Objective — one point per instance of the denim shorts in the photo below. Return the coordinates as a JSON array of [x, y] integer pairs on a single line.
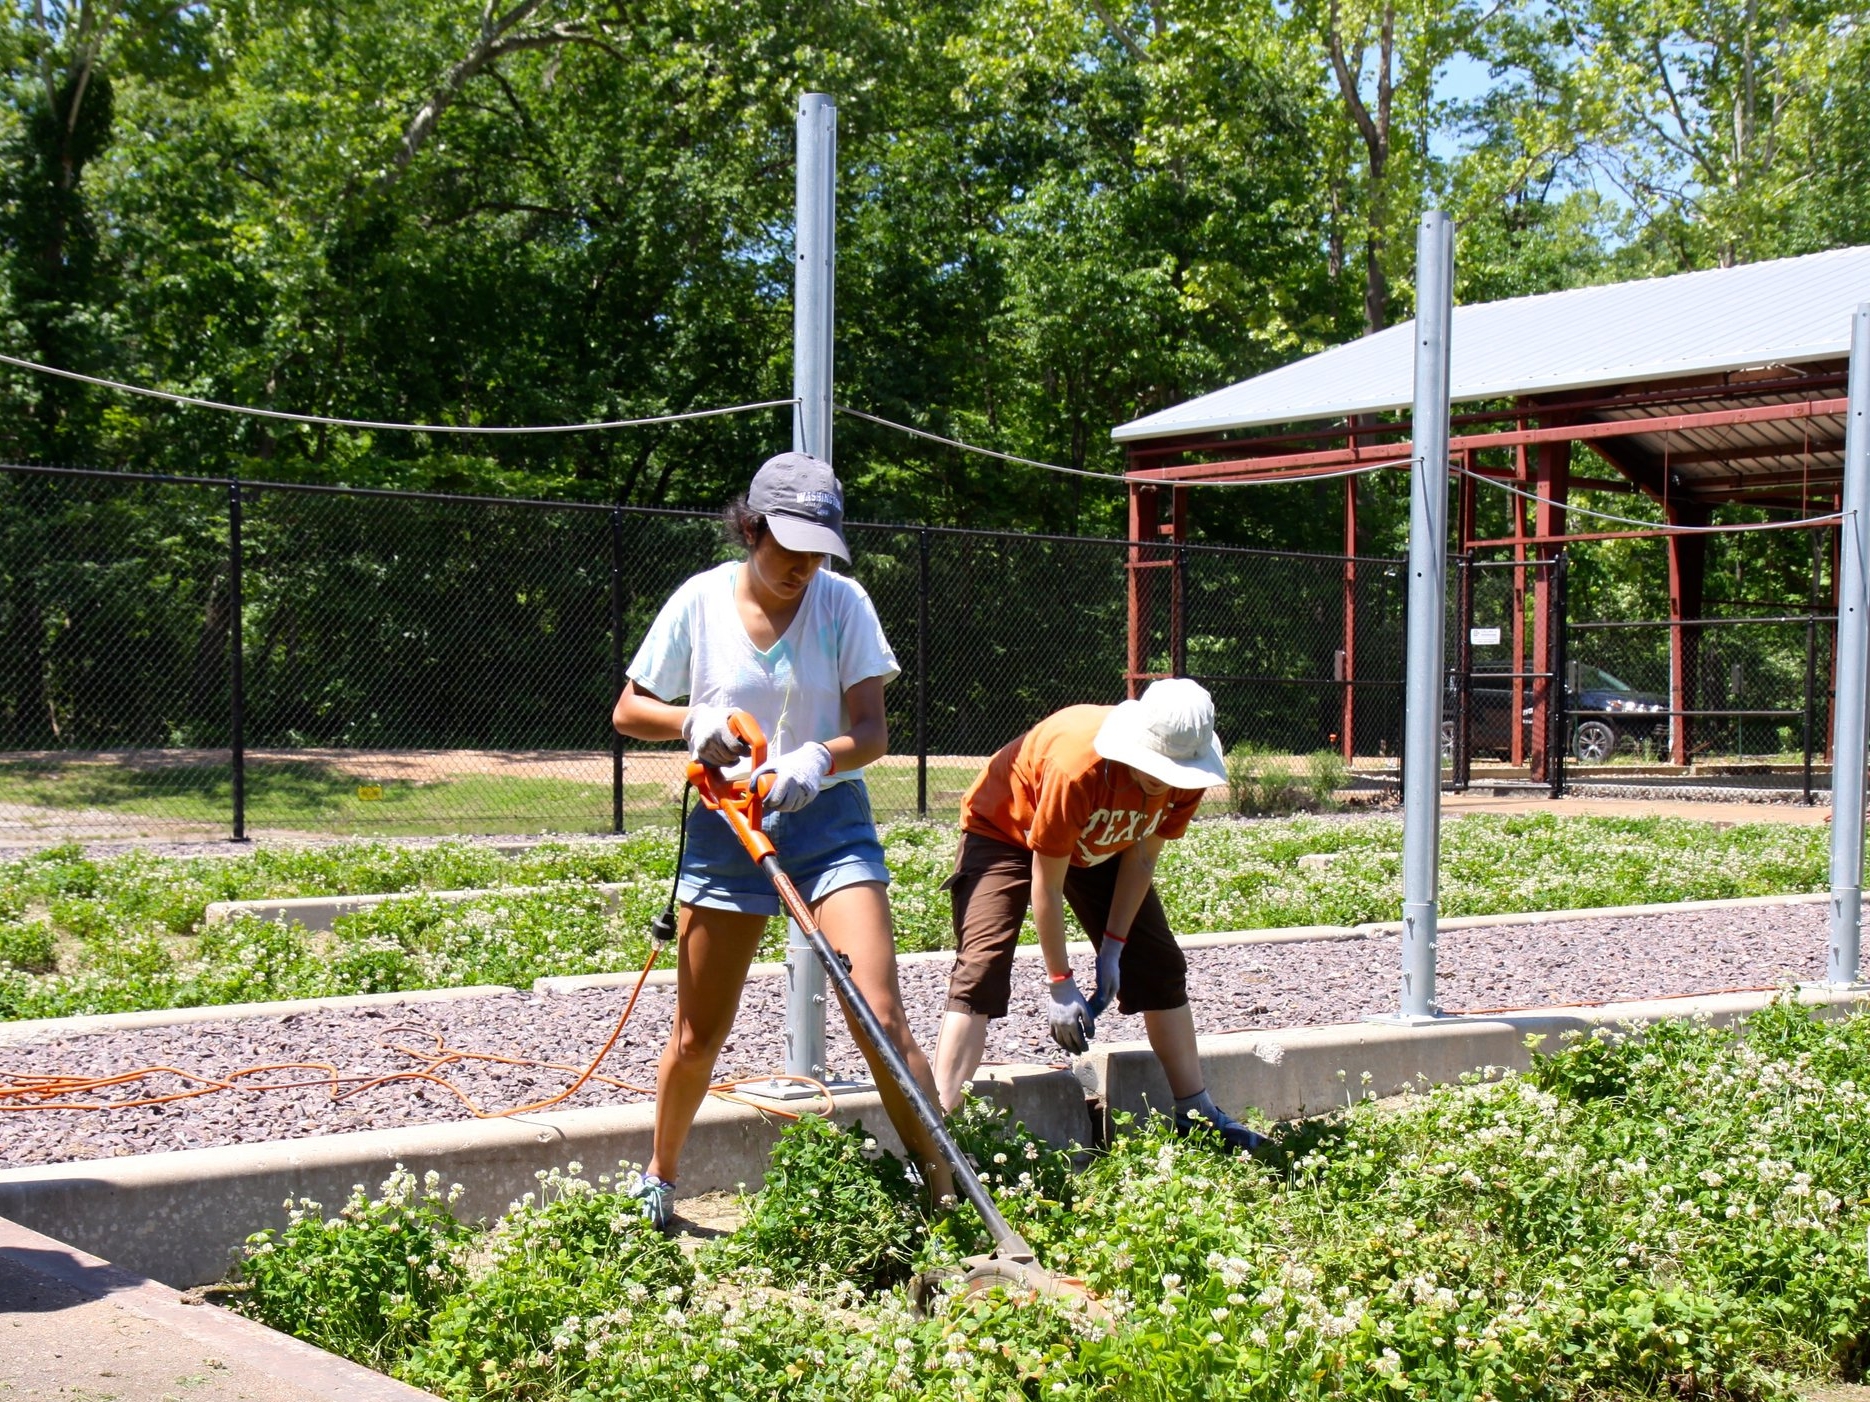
[[828, 844]]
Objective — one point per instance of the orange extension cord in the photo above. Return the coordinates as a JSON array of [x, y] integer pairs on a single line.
[[26, 1091]]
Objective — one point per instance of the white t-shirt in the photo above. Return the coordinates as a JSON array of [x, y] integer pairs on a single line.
[[698, 648]]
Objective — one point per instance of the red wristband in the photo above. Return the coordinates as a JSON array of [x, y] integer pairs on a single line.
[[1120, 939], [1059, 978]]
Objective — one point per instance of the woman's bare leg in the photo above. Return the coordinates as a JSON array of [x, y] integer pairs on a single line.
[[856, 919], [959, 1047], [713, 950]]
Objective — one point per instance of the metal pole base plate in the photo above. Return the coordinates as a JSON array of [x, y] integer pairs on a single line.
[[1405, 1019], [777, 1089]]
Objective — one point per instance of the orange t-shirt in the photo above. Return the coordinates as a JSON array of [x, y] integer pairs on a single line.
[[1050, 792]]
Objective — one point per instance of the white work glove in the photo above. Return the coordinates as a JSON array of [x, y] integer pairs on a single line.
[[1109, 978], [709, 739], [1073, 1025], [797, 777]]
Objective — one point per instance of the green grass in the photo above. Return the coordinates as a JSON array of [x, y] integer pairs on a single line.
[[84, 936], [306, 795], [311, 796]]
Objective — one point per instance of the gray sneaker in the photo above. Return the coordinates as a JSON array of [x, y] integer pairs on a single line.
[[657, 1199], [1236, 1136]]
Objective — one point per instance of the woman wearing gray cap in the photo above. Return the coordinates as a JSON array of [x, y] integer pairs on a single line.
[[802, 649]]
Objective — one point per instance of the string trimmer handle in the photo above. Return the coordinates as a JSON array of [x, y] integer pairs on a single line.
[[738, 802]]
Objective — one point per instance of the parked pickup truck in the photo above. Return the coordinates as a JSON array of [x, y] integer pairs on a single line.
[[1605, 714]]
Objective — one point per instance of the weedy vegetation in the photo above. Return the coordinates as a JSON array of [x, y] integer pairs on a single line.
[[1679, 1212], [93, 935]]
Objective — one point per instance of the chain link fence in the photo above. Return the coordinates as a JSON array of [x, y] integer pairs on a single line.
[[194, 658], [1738, 696]]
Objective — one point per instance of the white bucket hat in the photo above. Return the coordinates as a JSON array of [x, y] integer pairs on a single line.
[[1167, 734]]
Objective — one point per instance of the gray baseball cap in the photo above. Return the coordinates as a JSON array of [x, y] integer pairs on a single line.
[[802, 502]]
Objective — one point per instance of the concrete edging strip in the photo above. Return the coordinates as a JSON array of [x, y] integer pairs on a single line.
[[319, 912], [1606, 912], [234, 1339], [28, 1030], [180, 1217], [1307, 1071], [1296, 934]]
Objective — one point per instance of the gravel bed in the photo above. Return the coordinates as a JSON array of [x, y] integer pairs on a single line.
[[1232, 988]]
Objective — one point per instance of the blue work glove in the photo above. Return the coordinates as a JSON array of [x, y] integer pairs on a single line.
[[797, 777], [1109, 956], [709, 739], [1073, 1023]]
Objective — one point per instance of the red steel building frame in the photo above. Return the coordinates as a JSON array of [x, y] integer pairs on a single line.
[[1769, 437]]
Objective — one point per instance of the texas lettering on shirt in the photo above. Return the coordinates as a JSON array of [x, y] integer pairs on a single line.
[[1050, 792]]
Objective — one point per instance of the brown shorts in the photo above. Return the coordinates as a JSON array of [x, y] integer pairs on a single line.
[[992, 888]]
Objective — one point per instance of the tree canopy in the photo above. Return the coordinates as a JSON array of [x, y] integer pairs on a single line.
[[1053, 215]]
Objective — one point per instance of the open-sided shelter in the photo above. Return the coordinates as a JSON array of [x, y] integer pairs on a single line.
[[1699, 390]]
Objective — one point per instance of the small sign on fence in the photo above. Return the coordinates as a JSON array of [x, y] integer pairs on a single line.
[[1483, 637]]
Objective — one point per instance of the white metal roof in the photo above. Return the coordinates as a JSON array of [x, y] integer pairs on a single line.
[[1778, 313]]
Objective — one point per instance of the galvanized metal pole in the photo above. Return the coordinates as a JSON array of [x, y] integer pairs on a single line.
[[1428, 567], [1853, 649], [816, 263], [813, 275]]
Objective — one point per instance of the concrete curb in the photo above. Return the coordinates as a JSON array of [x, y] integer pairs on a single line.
[[1311, 1070], [181, 1217], [1608, 912], [14, 1034], [239, 1343], [320, 912]]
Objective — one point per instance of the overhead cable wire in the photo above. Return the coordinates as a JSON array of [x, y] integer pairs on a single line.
[[329, 421], [1116, 477], [1802, 523]]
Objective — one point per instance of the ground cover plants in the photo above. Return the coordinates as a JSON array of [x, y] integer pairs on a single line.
[[89, 935], [1681, 1213]]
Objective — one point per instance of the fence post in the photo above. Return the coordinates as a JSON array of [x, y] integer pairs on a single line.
[[616, 666], [1463, 755], [1853, 644], [1428, 616], [922, 673], [1558, 708], [236, 668], [1178, 610], [1811, 685], [815, 264]]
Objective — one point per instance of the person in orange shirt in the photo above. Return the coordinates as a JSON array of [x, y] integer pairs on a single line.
[[1075, 812]]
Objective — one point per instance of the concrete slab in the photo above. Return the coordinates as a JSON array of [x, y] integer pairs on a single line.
[[181, 1217], [73, 1326]]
